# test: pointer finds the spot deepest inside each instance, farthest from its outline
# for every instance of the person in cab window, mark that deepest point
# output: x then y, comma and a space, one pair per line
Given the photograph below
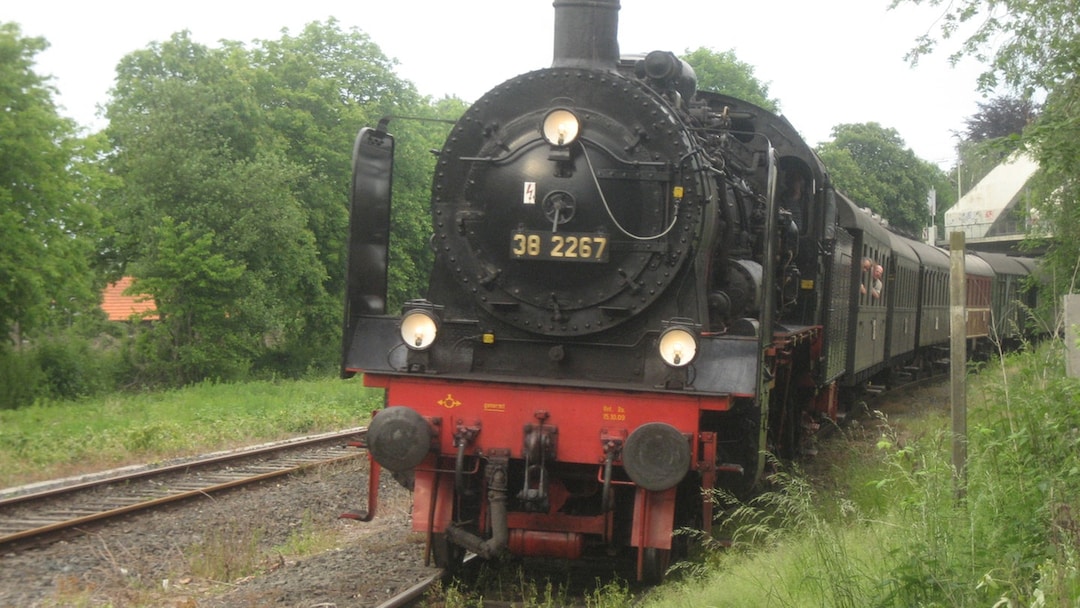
875, 288
791, 199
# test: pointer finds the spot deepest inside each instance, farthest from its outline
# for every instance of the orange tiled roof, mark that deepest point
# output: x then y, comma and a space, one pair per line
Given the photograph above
119, 307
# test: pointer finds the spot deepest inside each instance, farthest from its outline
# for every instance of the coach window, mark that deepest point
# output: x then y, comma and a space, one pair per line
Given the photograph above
903, 279
877, 283
866, 267
912, 288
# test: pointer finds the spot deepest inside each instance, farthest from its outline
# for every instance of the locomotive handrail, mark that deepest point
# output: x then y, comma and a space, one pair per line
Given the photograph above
524, 146
509, 155
607, 207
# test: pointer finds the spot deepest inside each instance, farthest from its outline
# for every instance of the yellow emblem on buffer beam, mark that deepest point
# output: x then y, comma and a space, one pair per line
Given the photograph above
449, 402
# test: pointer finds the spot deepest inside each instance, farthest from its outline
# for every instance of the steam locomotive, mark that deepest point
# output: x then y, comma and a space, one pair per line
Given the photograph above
640, 289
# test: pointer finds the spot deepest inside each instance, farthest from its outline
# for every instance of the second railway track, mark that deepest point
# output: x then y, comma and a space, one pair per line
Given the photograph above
35, 512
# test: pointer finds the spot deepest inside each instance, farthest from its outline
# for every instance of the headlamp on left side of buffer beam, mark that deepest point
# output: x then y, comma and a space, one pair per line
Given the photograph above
419, 327
678, 345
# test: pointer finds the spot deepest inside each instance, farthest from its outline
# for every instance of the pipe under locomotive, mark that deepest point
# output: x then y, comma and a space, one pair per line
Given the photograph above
626, 308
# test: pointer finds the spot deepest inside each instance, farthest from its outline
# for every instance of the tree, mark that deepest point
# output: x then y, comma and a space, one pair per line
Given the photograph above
250, 147
999, 118
1056, 188
1028, 48
723, 72
873, 166
320, 88
991, 135
47, 226
194, 148
200, 300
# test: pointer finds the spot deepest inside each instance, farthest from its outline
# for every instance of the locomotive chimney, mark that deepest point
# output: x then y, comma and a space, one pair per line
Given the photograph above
586, 34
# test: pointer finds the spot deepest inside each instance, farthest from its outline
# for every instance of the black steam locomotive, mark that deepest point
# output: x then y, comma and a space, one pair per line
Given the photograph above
639, 290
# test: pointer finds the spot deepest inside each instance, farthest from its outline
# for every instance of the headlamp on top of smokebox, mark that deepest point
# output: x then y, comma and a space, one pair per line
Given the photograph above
560, 128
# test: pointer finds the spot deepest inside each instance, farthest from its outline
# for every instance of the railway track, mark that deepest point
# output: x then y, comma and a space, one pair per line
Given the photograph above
31, 514
413, 595
409, 582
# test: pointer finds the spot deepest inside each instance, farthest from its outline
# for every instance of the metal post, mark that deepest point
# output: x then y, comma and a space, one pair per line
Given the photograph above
1071, 306
958, 360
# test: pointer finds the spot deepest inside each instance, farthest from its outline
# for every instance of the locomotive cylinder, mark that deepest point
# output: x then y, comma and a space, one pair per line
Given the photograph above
586, 34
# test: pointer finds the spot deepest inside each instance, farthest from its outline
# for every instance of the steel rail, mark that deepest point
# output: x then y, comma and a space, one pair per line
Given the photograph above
59, 487
239, 478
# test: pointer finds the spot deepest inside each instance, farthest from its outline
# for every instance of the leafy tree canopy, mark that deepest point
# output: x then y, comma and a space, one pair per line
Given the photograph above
246, 151
411, 257
1000, 117
46, 225
992, 134
723, 72
224, 145
873, 166
1026, 46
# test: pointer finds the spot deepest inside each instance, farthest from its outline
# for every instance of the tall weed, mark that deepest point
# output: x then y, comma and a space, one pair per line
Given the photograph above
227, 554
1008, 539
821, 564
900, 534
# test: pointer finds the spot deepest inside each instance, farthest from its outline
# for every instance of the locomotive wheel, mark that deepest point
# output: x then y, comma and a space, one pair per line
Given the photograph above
446, 554
688, 518
654, 564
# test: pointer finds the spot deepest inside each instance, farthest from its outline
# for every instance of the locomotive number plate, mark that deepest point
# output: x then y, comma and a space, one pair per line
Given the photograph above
558, 246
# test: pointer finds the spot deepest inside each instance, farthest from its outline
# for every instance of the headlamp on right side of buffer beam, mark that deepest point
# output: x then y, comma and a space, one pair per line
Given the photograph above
678, 345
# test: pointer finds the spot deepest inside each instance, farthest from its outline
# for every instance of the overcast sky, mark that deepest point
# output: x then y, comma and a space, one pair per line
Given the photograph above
827, 62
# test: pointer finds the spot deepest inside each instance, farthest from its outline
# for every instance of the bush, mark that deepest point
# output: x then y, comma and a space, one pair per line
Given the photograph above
21, 380
60, 367
73, 369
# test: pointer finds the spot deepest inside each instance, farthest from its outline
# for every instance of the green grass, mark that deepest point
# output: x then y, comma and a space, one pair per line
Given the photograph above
58, 439
309, 538
227, 554
505, 583
884, 529
889, 531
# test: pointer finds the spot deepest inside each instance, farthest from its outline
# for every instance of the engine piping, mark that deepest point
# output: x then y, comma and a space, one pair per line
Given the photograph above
500, 529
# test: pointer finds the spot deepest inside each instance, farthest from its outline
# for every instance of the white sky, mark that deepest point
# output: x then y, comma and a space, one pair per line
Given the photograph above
827, 62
